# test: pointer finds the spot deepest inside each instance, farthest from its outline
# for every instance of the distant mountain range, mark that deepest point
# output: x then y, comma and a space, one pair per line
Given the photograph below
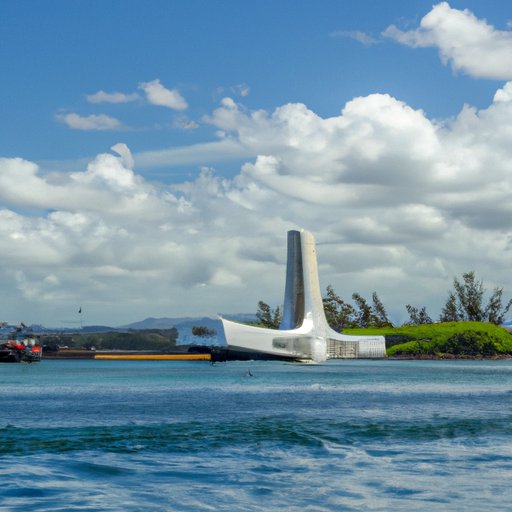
183, 324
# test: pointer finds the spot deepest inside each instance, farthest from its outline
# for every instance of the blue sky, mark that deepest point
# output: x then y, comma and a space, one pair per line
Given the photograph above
228, 110
57, 53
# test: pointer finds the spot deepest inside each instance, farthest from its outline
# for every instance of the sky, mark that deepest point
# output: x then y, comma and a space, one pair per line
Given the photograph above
154, 154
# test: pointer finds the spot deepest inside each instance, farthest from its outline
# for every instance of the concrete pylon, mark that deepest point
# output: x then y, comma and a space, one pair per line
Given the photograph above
304, 334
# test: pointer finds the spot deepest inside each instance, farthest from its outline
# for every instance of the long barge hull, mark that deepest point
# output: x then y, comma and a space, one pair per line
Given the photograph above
127, 356
153, 357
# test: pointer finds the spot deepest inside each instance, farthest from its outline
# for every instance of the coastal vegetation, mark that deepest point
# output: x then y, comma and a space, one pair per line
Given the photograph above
203, 331
466, 302
163, 340
268, 317
339, 313
444, 340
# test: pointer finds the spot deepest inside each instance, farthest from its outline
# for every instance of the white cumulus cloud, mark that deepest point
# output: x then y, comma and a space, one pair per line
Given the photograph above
469, 44
157, 94
111, 97
89, 123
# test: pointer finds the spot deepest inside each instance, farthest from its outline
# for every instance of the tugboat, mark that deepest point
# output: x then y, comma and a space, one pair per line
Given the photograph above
20, 349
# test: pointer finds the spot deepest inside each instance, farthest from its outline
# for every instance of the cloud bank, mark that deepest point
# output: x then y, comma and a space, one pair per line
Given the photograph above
399, 204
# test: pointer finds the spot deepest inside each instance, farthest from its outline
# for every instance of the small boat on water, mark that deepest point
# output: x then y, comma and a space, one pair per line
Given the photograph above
18, 351
20, 347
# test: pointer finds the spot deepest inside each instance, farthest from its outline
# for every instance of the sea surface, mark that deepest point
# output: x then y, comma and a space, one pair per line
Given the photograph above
250, 436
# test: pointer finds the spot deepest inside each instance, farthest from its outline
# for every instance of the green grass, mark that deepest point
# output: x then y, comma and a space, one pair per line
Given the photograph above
450, 339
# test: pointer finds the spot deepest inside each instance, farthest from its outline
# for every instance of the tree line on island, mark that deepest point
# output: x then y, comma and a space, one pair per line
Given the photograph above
464, 303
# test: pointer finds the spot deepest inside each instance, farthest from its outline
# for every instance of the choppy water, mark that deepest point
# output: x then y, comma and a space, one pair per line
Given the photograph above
185, 436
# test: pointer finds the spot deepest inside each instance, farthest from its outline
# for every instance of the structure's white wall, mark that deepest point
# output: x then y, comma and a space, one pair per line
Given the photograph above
372, 348
313, 303
313, 339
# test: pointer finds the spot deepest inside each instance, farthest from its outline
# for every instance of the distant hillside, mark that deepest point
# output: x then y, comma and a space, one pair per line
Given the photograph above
185, 324
168, 322
156, 323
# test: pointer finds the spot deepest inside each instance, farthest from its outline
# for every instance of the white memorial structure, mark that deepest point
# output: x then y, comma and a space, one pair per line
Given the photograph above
304, 334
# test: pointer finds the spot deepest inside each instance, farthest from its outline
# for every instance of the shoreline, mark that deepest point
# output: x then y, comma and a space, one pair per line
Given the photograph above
449, 357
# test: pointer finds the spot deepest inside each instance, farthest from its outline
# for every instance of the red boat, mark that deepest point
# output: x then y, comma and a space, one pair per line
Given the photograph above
17, 351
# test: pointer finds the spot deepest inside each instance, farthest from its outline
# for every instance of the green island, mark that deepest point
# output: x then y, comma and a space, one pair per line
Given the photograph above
444, 340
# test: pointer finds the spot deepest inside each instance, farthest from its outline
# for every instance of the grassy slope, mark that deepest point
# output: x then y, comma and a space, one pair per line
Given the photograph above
441, 339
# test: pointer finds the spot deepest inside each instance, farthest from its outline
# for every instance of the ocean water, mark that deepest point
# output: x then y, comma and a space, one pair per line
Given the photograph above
189, 436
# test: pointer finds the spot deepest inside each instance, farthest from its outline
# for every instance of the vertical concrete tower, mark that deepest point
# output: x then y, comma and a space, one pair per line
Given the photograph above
304, 334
